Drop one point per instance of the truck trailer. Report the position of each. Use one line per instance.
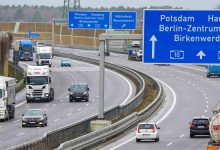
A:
(214, 128)
(44, 55)
(39, 84)
(7, 98)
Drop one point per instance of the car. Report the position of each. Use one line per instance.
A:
(78, 91)
(199, 126)
(147, 131)
(65, 63)
(34, 117)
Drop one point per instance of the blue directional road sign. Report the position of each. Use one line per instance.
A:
(88, 20)
(31, 34)
(182, 36)
(124, 20)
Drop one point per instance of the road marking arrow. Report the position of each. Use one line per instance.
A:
(201, 54)
(153, 39)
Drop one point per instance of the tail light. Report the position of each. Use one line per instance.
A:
(138, 130)
(192, 126)
(154, 130)
(207, 126)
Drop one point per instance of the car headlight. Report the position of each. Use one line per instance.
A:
(46, 94)
(24, 119)
(28, 95)
(71, 93)
(84, 93)
(2, 111)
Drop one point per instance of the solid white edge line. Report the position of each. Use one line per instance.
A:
(191, 68)
(129, 85)
(166, 115)
(173, 104)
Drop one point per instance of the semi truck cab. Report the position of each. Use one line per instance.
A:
(39, 84)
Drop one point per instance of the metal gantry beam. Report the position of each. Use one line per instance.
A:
(70, 5)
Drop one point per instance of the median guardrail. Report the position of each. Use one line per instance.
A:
(81, 129)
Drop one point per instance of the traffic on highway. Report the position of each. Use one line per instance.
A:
(109, 75)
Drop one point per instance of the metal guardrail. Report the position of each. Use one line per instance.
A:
(53, 139)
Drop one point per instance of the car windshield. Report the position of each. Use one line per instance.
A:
(26, 49)
(40, 45)
(1, 93)
(200, 121)
(146, 126)
(78, 88)
(34, 113)
(39, 80)
(45, 56)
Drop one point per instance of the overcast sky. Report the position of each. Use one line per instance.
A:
(187, 4)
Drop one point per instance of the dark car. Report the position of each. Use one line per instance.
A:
(78, 91)
(199, 126)
(34, 117)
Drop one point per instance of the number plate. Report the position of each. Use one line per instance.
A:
(32, 122)
(200, 127)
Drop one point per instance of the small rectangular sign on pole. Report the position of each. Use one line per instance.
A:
(124, 20)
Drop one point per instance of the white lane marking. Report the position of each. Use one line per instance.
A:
(204, 94)
(173, 104)
(20, 104)
(205, 111)
(54, 105)
(79, 109)
(87, 104)
(129, 86)
(169, 143)
(69, 114)
(166, 115)
(61, 100)
(1, 126)
(93, 100)
(67, 96)
(207, 106)
(198, 87)
(191, 68)
(16, 121)
(207, 102)
(201, 91)
(75, 81)
(97, 96)
(56, 120)
(182, 135)
(20, 134)
(206, 97)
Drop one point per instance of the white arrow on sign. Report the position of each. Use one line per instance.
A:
(153, 39)
(201, 54)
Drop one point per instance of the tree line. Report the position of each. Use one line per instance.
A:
(26, 13)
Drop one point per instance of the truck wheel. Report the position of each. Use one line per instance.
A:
(70, 100)
(28, 101)
(191, 136)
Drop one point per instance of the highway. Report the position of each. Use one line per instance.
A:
(60, 112)
(187, 89)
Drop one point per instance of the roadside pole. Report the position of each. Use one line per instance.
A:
(101, 79)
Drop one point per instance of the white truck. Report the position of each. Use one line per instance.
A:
(39, 84)
(44, 55)
(7, 98)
